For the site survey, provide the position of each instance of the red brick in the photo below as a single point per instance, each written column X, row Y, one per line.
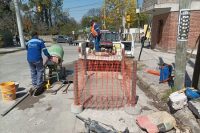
column 169, row 34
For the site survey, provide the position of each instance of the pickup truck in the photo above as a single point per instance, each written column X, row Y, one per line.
column 110, row 46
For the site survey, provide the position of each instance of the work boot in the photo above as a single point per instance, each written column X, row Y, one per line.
column 31, row 90
column 38, row 91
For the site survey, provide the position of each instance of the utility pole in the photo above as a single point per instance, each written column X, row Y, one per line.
column 123, row 21
column 19, row 23
column 182, row 41
column 138, row 15
column 123, row 16
column 104, row 15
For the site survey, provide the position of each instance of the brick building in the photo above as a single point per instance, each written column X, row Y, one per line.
column 165, row 22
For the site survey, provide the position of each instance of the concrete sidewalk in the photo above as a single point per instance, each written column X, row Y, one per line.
column 159, row 91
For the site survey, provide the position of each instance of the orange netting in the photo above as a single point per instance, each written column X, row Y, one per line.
column 104, row 84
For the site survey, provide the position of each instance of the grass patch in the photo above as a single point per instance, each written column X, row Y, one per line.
column 168, row 92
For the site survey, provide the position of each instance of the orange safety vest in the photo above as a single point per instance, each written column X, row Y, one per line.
column 93, row 31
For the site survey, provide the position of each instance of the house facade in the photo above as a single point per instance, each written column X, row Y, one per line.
column 165, row 15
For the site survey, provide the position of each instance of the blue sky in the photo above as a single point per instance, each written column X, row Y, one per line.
column 77, row 8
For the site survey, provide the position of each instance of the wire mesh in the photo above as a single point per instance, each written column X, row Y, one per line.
column 105, row 84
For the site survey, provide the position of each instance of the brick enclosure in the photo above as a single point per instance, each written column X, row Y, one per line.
column 164, row 30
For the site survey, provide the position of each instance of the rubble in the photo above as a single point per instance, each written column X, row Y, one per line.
column 178, row 100
column 194, row 106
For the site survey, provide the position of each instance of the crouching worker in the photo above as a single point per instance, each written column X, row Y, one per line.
column 35, row 46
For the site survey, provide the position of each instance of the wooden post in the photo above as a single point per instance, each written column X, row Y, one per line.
column 76, row 96
column 134, row 79
column 180, row 59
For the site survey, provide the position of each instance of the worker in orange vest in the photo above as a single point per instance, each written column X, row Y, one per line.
column 95, row 31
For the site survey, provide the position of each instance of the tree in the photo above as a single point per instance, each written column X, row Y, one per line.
column 41, row 13
column 94, row 14
column 113, row 14
column 7, row 16
column 116, row 9
column 7, row 22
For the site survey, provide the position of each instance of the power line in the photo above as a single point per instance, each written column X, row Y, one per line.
column 84, row 5
column 82, row 9
column 77, row 1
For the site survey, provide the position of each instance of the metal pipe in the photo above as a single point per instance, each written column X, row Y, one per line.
column 15, row 104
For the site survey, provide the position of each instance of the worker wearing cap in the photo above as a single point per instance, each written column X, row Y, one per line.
column 35, row 46
column 95, row 31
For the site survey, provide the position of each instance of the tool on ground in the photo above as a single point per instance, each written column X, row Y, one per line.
column 65, row 90
column 145, row 35
column 30, row 92
column 154, row 72
column 63, row 83
column 94, row 126
column 48, row 85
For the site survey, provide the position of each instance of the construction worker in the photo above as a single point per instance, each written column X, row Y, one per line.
column 35, row 46
column 95, row 31
column 17, row 40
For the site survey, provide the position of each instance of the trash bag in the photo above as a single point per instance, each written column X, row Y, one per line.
column 192, row 94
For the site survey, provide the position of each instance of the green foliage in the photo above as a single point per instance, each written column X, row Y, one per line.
column 116, row 9
column 94, row 14
column 50, row 20
column 7, row 23
column 6, row 38
column 167, row 93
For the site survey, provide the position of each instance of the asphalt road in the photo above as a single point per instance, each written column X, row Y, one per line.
column 14, row 66
column 49, row 113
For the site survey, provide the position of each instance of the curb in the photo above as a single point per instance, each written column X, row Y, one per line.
column 11, row 51
column 184, row 116
column 16, row 50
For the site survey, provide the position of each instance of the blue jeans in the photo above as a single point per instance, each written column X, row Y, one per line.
column 37, row 71
column 97, row 44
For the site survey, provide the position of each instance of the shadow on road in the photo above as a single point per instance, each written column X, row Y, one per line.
column 20, row 94
column 20, row 89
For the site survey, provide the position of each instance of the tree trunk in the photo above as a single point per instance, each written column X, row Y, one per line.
column 50, row 19
column 42, row 13
column 46, row 16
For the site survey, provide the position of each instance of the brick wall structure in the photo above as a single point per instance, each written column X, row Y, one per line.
column 164, row 30
column 194, row 28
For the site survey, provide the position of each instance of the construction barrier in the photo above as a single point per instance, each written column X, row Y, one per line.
column 105, row 84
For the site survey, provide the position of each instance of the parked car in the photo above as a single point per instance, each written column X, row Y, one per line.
column 61, row 39
column 70, row 40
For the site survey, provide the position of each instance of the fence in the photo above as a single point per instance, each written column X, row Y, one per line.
column 104, row 84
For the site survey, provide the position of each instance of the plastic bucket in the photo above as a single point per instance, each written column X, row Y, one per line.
column 8, row 91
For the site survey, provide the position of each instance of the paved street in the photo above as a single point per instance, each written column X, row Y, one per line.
column 49, row 113
column 14, row 66
column 154, row 90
